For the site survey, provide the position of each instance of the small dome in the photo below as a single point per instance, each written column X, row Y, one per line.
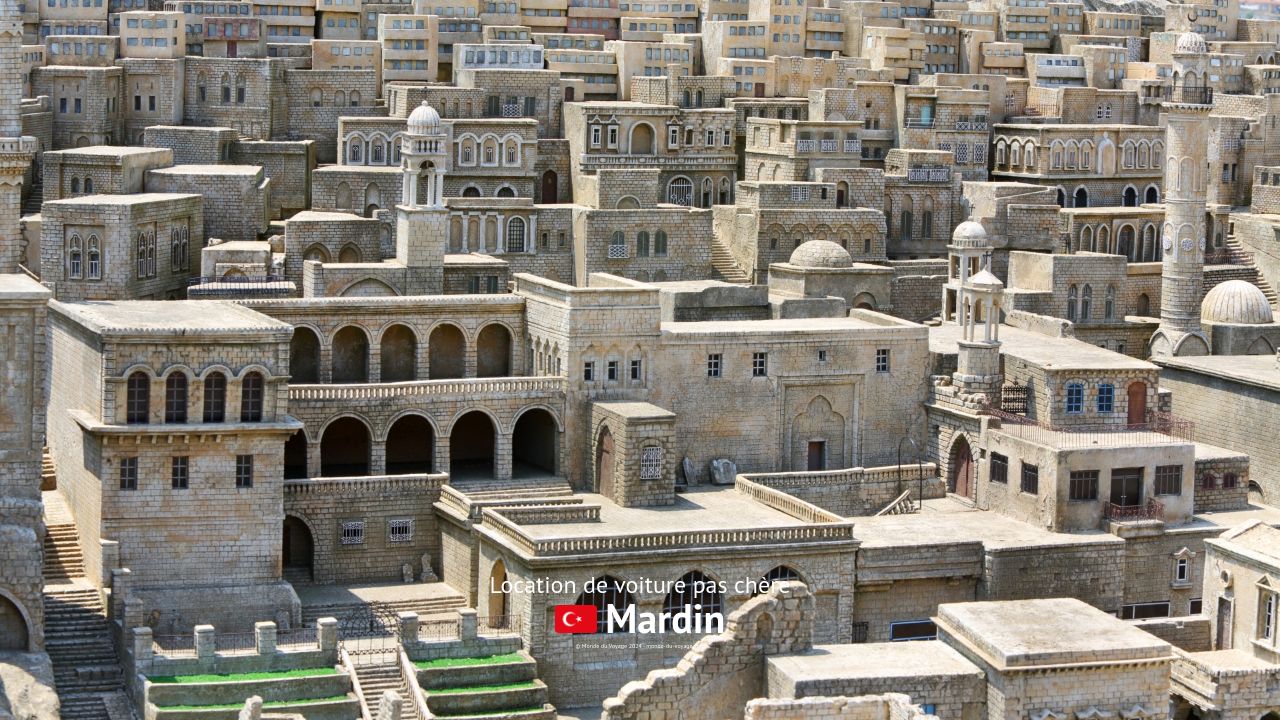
column 984, row 279
column 969, row 233
column 1236, row 302
column 424, row 120
column 1190, row 42
column 821, row 254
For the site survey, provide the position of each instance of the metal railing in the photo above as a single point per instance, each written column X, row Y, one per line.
column 928, row 175
column 830, row 145
column 618, row 252
column 1192, row 94
column 438, row 629
column 234, row 279
column 853, row 146
column 1151, row 510
column 236, row 642
column 297, row 638
column 806, row 145
column 972, row 125
column 1160, row 428
column 174, row 646
column 922, row 123
column 491, row 625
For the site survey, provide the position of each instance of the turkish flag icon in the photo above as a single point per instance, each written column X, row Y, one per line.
column 575, row 619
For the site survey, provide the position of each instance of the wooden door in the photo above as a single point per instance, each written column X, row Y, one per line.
column 1137, row 403
column 604, row 464
column 550, row 187
column 962, row 468
column 817, row 455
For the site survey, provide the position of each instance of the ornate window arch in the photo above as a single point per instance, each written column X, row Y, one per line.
column 75, row 258
column 93, row 255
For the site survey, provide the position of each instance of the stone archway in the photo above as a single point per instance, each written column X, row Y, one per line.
column 344, row 448
column 399, row 353
column 960, row 478
column 350, row 355
column 297, row 550
column 15, row 631
column 411, row 444
column 295, row 456
column 550, row 187
column 497, row 594
column 447, row 349
column 493, row 351
column 304, row 356
column 534, row 443
column 472, row 441
column 818, row 437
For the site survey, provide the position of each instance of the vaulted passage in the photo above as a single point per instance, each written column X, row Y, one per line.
column 13, row 627
column 344, row 448
column 493, row 352
column 471, row 446
column 304, row 356
column 447, row 352
column 399, row 354
column 411, row 444
column 351, row 356
column 533, row 444
column 295, row 457
column 298, row 549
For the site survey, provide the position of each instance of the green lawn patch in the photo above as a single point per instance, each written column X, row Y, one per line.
column 241, row 677
column 272, row 704
column 517, row 711
column 470, row 661
column 484, row 688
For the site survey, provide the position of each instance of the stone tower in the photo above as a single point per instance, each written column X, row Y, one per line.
column 422, row 221
column 1185, row 167
column 16, row 151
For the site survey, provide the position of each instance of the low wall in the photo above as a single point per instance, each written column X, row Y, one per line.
column 855, row 492
column 890, row 706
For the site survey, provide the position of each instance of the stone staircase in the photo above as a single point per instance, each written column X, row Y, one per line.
column 725, row 266
column 487, row 691
column 377, row 678
column 63, row 562
column 86, row 670
column 48, row 473
column 31, row 205
column 424, row 607
column 515, row 488
column 1241, row 267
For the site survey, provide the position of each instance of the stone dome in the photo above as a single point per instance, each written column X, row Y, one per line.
column 821, row 254
column 1237, row 302
column 1189, row 42
column 971, row 234
column 424, row 120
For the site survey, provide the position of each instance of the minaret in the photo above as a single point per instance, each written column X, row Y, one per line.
column 422, row 221
column 16, row 151
column 1185, row 167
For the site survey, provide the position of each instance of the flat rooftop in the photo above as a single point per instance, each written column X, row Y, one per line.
column 708, row 508
column 131, row 199
column 861, row 662
column 111, row 150
column 21, row 287
column 798, row 326
column 1055, row 353
column 946, row 521
column 1052, row 631
column 177, row 317
column 1259, row 370
column 248, row 170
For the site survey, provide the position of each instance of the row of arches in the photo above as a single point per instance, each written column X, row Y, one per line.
column 399, row 356
column 489, row 150
column 1127, row 242
column 175, row 390
column 1080, row 303
column 372, row 149
column 468, row 447
column 88, row 185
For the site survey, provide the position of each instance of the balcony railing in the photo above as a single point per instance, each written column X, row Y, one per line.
column 234, row 279
column 806, row 145
column 1152, row 510
column 1158, row 429
column 972, row 125
column 922, row 123
column 853, row 147
column 830, row 146
column 618, row 252
column 928, row 175
column 1191, row 94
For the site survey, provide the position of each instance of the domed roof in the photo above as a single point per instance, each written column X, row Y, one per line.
column 1237, row 302
column 984, row 279
column 969, row 233
column 424, row 120
column 821, row 254
column 1189, row 42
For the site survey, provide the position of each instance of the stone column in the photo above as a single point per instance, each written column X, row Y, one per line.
column 264, row 634
column 327, row 634
column 466, row 232
column 467, row 624
column 205, row 642
column 532, row 243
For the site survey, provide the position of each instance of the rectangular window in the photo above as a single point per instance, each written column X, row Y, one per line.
column 1084, row 485
column 1143, row 611
column 1030, row 479
column 129, row 473
column 882, row 360
column 759, row 364
column 588, row 371
column 637, row 370
column 1106, row 397
column 999, row 469
column 1075, row 398
column 611, row 371
column 1268, row 603
column 595, row 136
column 822, row 356
column 1196, row 606
column 244, row 471
column 353, row 532
column 399, row 531
column 651, row 462
column 613, row 136
column 180, row 472
column 912, row 630
column 1182, row 571
column 1169, row 480
column 713, row 365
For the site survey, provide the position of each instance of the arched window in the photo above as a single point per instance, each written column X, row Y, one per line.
column 75, row 258
column 175, row 398
column 605, row 593
column 512, row 153
column 75, row 184
column 215, row 398
column 1071, row 303
column 617, row 245
column 1109, row 303
column 88, row 185
column 1075, row 398
column 660, row 244
column 515, row 235
column 697, row 592
column 251, row 397
column 680, row 191
column 94, row 258
column 353, row 150
column 1106, row 398
column 377, row 152
column 354, row 98
column 782, row 573
column 642, row 244
column 1086, row 302
column 138, row 399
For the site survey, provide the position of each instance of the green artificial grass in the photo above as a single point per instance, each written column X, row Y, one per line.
column 241, row 677
column 272, row 704
column 517, row 711
column 469, row 662
column 484, row 688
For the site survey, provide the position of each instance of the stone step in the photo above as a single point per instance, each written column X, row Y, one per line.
column 546, row 712
column 523, row 670
column 487, row 701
